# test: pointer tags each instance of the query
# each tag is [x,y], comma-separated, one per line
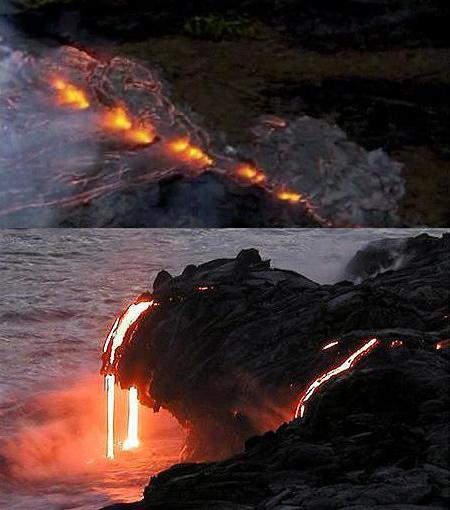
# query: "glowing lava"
[183,148]
[118,120]
[109,386]
[288,196]
[132,440]
[347,364]
[250,173]
[396,343]
[443,344]
[121,329]
[328,346]
[69,95]
[122,326]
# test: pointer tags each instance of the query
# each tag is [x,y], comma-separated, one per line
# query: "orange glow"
[132,440]
[443,344]
[347,364]
[183,148]
[328,346]
[396,343]
[69,95]
[109,383]
[250,173]
[121,327]
[117,120]
[141,136]
[288,196]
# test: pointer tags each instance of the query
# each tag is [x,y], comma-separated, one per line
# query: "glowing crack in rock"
[118,120]
[347,364]
[132,440]
[396,343]
[330,345]
[109,386]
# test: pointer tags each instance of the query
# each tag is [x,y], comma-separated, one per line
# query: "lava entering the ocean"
[347,364]
[122,329]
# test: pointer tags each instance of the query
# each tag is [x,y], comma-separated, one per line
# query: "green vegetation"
[216,28]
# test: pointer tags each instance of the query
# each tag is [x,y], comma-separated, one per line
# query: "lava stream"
[347,364]
[132,440]
[122,326]
[328,346]
[69,95]
[109,383]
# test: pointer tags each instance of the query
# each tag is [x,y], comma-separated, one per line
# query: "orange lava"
[69,95]
[288,196]
[119,120]
[250,173]
[122,326]
[443,344]
[182,148]
[347,364]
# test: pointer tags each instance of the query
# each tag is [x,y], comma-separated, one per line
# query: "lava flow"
[118,120]
[121,330]
[182,148]
[347,364]
[69,95]
[250,173]
[288,196]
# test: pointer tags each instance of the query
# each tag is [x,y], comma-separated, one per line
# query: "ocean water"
[61,290]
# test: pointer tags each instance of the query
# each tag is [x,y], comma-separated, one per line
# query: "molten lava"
[132,440]
[109,385]
[328,346]
[347,364]
[182,148]
[443,344]
[288,196]
[250,173]
[118,120]
[396,343]
[121,327]
[69,95]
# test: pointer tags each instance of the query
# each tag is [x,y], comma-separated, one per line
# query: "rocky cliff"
[236,348]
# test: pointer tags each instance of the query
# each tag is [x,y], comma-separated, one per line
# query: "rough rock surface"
[234,342]
[348,182]
[319,24]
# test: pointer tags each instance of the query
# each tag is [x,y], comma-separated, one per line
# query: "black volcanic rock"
[232,359]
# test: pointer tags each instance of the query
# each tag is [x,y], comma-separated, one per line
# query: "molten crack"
[331,344]
[347,364]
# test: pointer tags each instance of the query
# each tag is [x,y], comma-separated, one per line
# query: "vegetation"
[217,28]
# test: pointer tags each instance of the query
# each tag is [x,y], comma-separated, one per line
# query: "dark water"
[60,291]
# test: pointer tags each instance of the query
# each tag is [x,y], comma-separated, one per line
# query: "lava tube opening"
[109,381]
[132,440]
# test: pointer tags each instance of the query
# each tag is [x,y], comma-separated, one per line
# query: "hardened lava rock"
[234,342]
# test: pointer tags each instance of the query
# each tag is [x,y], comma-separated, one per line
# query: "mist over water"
[61,292]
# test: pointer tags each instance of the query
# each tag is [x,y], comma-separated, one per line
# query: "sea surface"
[61,290]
